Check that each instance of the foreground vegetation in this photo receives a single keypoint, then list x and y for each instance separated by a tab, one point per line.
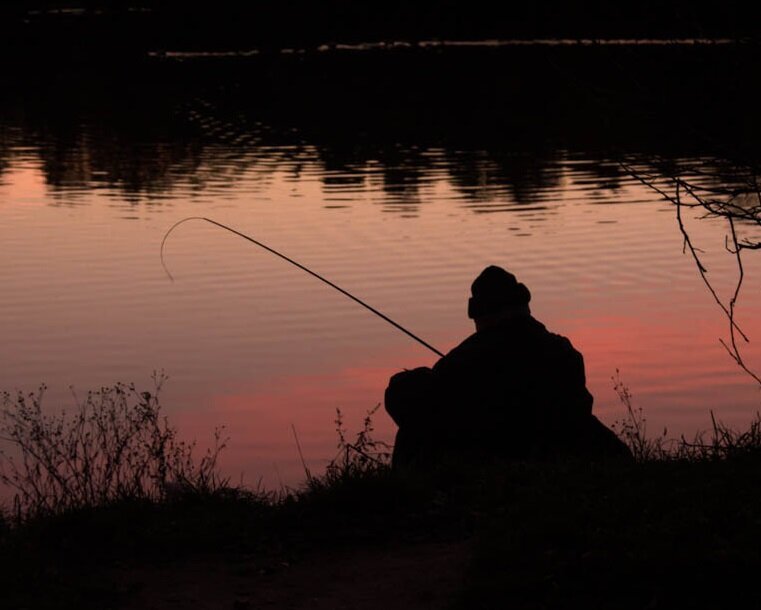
679	527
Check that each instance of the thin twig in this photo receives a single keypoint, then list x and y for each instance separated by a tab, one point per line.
301	454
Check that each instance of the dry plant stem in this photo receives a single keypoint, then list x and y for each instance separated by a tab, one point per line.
364	456
723	442
301	454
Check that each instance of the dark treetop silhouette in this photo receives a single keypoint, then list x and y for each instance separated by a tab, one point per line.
513	390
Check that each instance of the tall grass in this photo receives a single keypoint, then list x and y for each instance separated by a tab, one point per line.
114	445
360	458
719	442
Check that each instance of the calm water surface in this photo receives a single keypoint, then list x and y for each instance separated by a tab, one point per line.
255	345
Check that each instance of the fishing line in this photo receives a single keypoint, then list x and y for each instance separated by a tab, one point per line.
300	266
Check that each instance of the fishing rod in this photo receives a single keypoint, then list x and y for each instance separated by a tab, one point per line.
296	264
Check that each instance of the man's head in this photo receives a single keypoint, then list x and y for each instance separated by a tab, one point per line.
497	296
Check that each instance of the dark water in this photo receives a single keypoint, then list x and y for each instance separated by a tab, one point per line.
399	174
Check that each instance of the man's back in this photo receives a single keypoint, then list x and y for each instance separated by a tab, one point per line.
516	387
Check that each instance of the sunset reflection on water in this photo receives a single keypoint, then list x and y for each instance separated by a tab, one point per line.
259	347
252	344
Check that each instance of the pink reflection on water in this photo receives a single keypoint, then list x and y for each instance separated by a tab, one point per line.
649	355
260	420
258	348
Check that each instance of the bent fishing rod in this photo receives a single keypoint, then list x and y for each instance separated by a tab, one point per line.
300	266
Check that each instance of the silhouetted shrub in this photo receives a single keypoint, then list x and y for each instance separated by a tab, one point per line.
115	445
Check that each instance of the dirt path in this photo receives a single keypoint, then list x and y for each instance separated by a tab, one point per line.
421	576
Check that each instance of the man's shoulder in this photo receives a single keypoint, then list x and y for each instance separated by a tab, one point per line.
559	339
522	336
464	350
531	336
561	351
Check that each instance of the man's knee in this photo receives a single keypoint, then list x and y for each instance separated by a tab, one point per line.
408	396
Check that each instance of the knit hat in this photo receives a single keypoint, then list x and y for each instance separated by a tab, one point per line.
495	290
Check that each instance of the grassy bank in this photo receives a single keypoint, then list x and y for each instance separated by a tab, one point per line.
651	535
681	527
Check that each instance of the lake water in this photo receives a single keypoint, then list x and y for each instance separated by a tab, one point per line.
398	185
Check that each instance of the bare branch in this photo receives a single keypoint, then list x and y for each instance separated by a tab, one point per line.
731	204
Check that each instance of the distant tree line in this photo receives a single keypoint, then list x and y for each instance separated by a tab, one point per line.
226	23
503	124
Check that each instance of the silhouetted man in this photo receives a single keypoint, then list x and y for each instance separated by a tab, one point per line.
512	389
